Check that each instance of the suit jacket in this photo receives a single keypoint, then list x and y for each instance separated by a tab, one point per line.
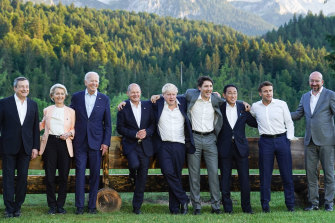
69	120
97	128
127	127
12	133
320	124
158	109
192	96
225	136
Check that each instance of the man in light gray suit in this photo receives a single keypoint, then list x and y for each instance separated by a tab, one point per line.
203	110
318	107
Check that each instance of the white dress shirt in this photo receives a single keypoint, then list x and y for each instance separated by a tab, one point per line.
273	119
57	121
314	100
137	112
90	101
21	108
202	115
171	125
231	113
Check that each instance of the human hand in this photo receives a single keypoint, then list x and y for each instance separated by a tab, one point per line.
121	105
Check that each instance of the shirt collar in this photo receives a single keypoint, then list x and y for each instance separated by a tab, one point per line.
95	93
178	103
133	105
17	99
318	92
230	107
200	98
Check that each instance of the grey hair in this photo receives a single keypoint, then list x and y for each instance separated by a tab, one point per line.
53	89
90	73
169	87
130	85
16	80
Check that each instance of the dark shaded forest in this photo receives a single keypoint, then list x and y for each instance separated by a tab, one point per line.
59	44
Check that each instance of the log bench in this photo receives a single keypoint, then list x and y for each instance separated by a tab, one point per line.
156	182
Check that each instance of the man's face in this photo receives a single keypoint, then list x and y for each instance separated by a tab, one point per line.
266	94
206	90
170	97
231	95
134	94
92	83
315	81
22	89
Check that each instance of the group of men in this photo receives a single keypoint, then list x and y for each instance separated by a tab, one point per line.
200	123
20	139
195	124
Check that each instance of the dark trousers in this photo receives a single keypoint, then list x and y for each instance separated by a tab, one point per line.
242	165
56	156
171	160
268	149
19	161
138	163
93	157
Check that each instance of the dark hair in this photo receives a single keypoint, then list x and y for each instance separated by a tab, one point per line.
263	84
227	86
202	79
19	79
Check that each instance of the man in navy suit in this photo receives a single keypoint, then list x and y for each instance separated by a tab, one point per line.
233	147
136	124
174	139
19	126
93	134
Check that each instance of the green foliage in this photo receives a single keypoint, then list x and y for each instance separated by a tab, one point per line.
59	44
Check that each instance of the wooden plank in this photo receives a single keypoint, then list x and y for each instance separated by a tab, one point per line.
156	183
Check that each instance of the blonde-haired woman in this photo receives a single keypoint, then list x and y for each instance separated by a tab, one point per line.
56	147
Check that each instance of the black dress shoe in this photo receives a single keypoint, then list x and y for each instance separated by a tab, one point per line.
8	214
184	208
80	211
52	210
328	207
266	209
137	211
312	207
248	212
92	211
291	209
61	210
17	213
197	212
216	211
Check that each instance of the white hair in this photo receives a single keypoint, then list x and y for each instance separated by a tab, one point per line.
91	73
169	87
131	85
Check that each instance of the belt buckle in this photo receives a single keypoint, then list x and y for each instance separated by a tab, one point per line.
139	141
57	137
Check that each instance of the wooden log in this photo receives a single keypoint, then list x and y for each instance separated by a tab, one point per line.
108	200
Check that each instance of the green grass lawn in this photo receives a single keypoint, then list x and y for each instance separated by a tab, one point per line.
155	209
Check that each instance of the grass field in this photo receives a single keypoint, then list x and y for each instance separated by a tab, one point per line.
155	209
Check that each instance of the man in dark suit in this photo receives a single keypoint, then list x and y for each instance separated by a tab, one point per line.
136	124
233	148
318	107
19	127
93	133
174	139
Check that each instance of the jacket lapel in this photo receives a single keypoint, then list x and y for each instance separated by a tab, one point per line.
321	98
13	108
143	111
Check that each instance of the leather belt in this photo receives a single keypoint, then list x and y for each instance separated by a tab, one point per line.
202	133
55	136
273	136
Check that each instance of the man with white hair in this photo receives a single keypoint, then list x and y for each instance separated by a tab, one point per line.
318	107
174	140
93	134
